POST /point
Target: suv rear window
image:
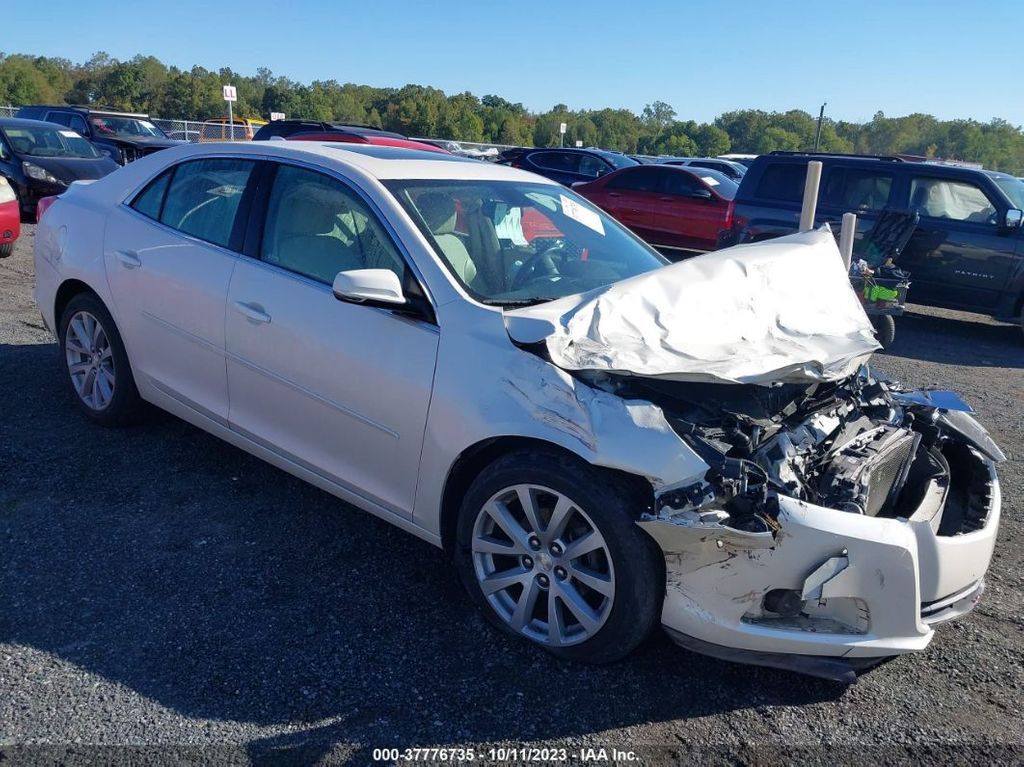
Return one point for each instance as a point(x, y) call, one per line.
point(782, 181)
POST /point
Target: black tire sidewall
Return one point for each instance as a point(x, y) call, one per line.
point(638, 562)
point(885, 329)
point(6, 249)
point(124, 405)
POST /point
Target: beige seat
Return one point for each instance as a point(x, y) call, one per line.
point(438, 211)
point(306, 237)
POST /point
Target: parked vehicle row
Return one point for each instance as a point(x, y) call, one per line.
point(487, 360)
point(967, 251)
point(39, 159)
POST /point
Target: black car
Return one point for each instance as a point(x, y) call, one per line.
point(41, 159)
point(967, 251)
point(567, 166)
point(286, 128)
point(122, 136)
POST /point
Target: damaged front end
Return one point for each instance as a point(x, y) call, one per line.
point(832, 518)
point(836, 524)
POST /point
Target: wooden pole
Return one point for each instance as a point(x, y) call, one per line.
point(810, 205)
point(846, 233)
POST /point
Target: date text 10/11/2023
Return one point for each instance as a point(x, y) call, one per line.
point(456, 754)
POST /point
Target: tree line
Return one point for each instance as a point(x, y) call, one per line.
point(145, 84)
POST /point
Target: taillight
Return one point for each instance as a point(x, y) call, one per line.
point(44, 205)
point(728, 214)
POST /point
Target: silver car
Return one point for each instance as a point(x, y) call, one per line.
point(601, 441)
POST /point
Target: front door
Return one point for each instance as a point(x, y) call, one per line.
point(959, 255)
point(339, 388)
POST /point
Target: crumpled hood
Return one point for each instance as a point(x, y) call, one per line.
point(775, 311)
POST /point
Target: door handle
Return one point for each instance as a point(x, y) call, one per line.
point(252, 312)
point(128, 258)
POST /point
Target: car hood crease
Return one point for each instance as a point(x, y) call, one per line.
point(776, 311)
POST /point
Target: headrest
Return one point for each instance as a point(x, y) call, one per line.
point(438, 210)
point(311, 209)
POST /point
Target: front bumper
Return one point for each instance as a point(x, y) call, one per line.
point(870, 587)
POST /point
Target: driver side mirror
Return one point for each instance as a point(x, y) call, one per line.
point(1013, 218)
point(4, 154)
point(374, 287)
point(701, 194)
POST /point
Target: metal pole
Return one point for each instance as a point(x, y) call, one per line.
point(231, 121)
point(810, 205)
point(846, 233)
point(821, 117)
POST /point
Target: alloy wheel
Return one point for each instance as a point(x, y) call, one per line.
point(543, 565)
point(90, 360)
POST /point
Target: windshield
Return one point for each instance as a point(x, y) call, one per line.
point(1012, 188)
point(48, 142)
point(130, 127)
point(513, 243)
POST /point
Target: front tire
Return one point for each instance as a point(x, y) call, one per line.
point(547, 546)
point(6, 250)
point(95, 365)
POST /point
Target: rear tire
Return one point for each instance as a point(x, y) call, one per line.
point(583, 580)
point(94, 363)
point(885, 329)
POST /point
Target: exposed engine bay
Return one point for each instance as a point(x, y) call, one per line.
point(859, 445)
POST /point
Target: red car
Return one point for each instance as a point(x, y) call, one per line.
point(670, 207)
point(10, 218)
point(352, 138)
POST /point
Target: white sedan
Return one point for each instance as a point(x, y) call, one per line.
point(600, 440)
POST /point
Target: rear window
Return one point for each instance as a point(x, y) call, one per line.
point(782, 181)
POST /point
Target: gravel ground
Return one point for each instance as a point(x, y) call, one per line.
point(159, 587)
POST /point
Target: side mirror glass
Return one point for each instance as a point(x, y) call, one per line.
point(370, 286)
point(701, 194)
point(1013, 218)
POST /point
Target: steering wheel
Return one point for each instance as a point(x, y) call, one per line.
point(530, 269)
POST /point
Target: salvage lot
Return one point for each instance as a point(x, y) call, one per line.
point(159, 586)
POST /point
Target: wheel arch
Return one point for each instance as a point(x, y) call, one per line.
point(68, 289)
point(478, 456)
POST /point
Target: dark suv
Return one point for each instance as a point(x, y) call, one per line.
point(122, 136)
point(567, 166)
point(967, 251)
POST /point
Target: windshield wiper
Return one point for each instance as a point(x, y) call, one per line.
point(515, 301)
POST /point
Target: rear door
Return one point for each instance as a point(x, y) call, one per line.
point(959, 255)
point(683, 220)
point(563, 167)
point(340, 389)
point(169, 254)
point(631, 197)
point(864, 190)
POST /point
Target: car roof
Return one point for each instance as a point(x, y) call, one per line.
point(89, 110)
point(379, 162)
point(23, 122)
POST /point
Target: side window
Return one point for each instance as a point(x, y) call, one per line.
point(954, 200)
point(203, 198)
point(317, 227)
point(856, 189)
point(149, 201)
point(61, 118)
point(635, 180)
point(679, 183)
point(592, 166)
point(557, 161)
point(782, 181)
point(77, 123)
